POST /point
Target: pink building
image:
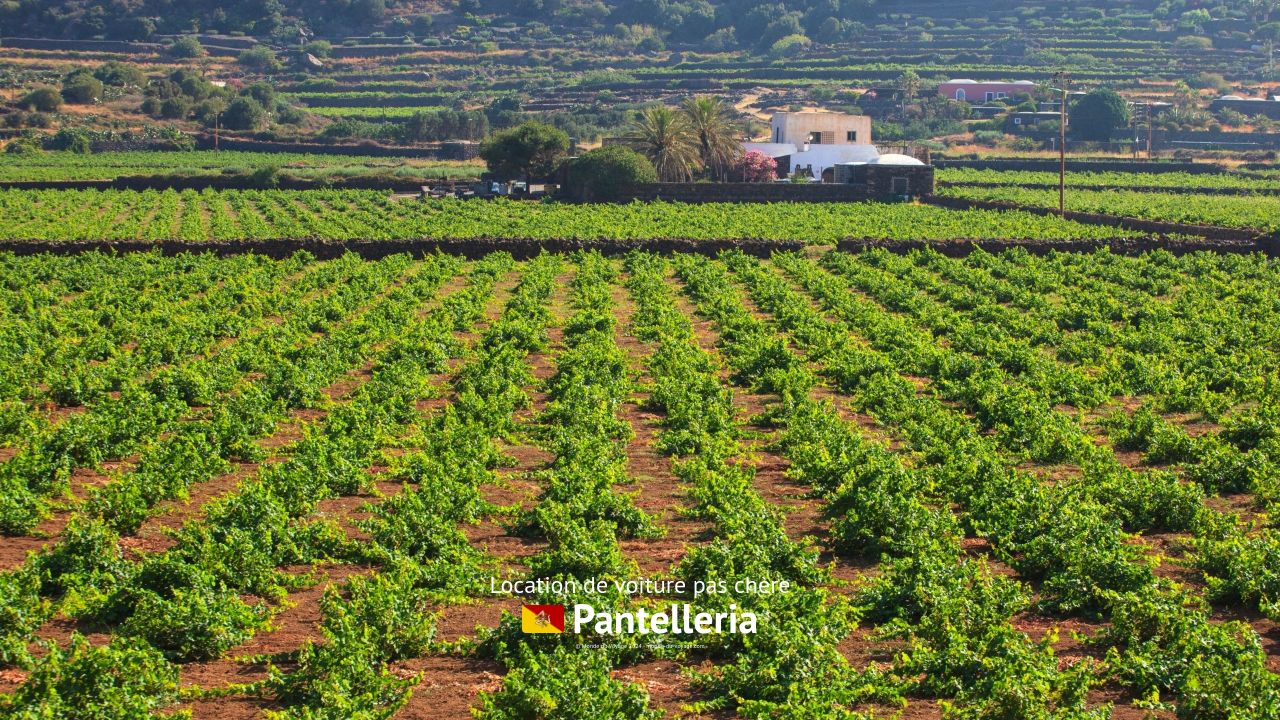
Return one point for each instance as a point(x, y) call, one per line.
point(976, 93)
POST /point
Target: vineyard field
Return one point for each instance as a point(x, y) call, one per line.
point(65, 166)
point(1118, 180)
point(1254, 212)
point(63, 215)
point(1001, 486)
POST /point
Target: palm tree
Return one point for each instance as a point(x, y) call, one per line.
point(908, 86)
point(664, 136)
point(714, 132)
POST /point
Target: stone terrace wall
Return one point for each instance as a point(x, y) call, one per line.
point(746, 192)
point(437, 151)
point(1051, 165)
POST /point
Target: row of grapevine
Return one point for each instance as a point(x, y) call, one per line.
point(990, 445)
point(374, 620)
point(243, 536)
point(1259, 212)
point(580, 515)
point(793, 663)
point(92, 215)
point(421, 556)
point(1066, 538)
point(1119, 180)
point(954, 612)
point(83, 343)
point(68, 166)
point(150, 406)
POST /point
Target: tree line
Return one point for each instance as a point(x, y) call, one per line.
point(698, 140)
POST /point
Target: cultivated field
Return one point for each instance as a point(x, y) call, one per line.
point(1001, 486)
point(1254, 212)
point(61, 166)
point(209, 215)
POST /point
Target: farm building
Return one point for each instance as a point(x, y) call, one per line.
point(1029, 119)
point(887, 176)
point(1268, 106)
point(973, 91)
point(811, 143)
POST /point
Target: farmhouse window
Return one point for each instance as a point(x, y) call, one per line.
point(901, 186)
point(815, 138)
point(851, 136)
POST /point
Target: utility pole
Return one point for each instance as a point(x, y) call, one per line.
point(1151, 128)
point(1062, 77)
point(1143, 115)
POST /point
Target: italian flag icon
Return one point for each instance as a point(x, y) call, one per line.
point(542, 618)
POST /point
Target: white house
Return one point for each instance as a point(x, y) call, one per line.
point(814, 142)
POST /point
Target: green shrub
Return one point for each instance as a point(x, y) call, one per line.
point(605, 173)
point(175, 108)
point(385, 610)
point(186, 47)
point(195, 624)
point(260, 58)
point(71, 140)
point(244, 113)
point(43, 99)
point(22, 612)
point(565, 684)
point(82, 90)
point(125, 679)
point(24, 146)
point(120, 74)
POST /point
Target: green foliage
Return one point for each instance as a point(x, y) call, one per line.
point(604, 173)
point(244, 113)
point(120, 74)
point(384, 610)
point(186, 47)
point(1098, 114)
point(71, 140)
point(529, 151)
point(565, 684)
point(43, 99)
point(174, 108)
point(182, 610)
point(792, 665)
point(22, 612)
point(1165, 643)
point(373, 215)
point(259, 58)
point(263, 92)
point(789, 45)
point(125, 679)
point(82, 90)
point(320, 48)
point(193, 624)
point(1243, 569)
point(938, 413)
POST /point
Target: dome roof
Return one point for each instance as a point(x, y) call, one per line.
point(894, 159)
